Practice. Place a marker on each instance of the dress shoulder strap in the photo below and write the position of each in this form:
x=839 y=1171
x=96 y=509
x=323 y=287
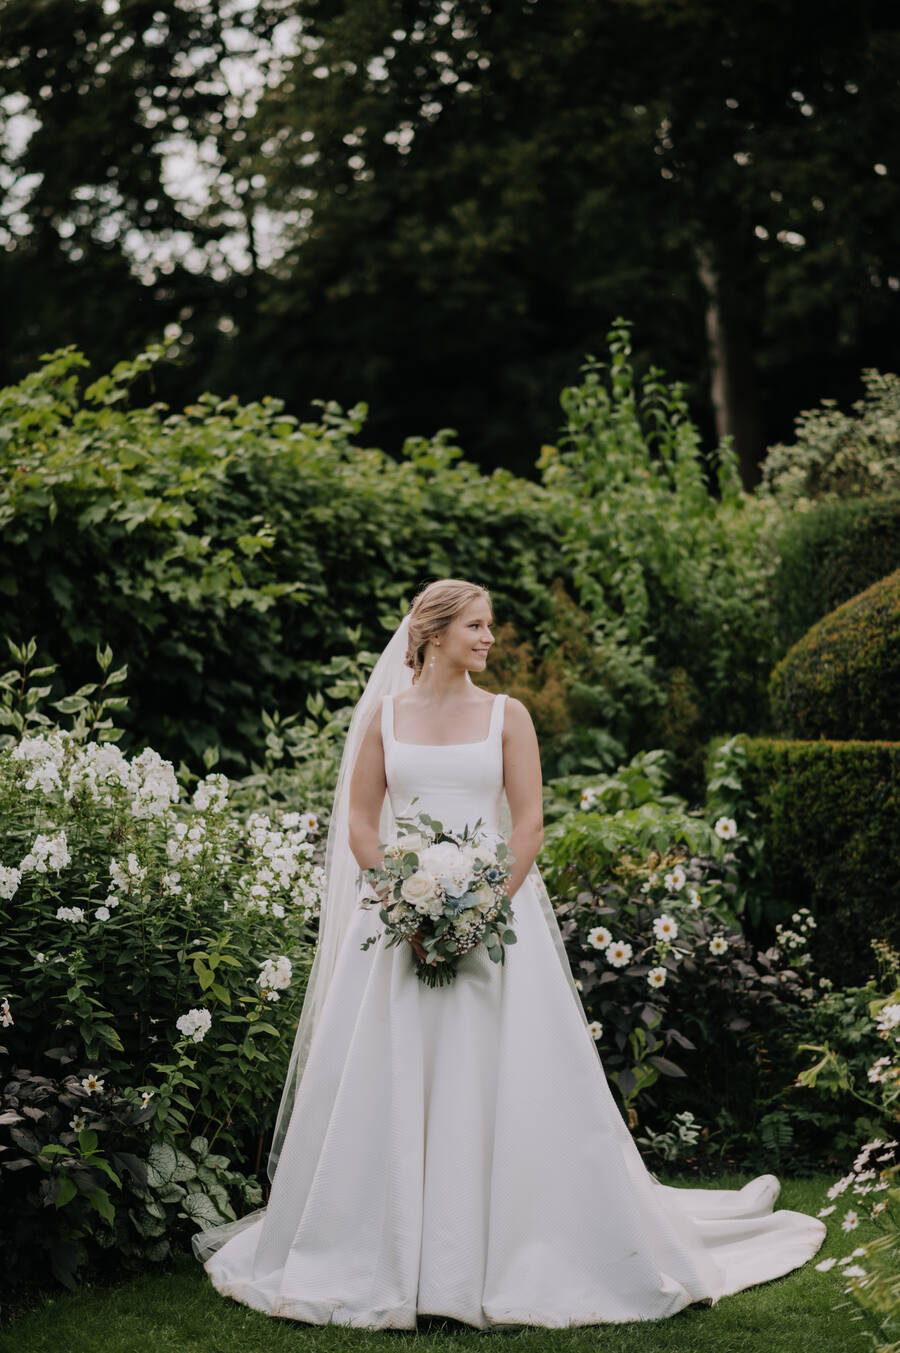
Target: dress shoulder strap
x=496 y=726
x=387 y=720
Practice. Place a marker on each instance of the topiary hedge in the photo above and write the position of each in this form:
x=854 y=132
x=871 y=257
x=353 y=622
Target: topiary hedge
x=842 y=679
x=830 y=553
x=829 y=817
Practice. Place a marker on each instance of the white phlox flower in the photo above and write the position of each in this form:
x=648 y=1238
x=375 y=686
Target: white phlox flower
x=274 y=976
x=9 y=882
x=48 y=852
x=194 y=1025
x=888 y=1018
x=153 y=784
x=211 y=793
x=69 y=914
x=102 y=913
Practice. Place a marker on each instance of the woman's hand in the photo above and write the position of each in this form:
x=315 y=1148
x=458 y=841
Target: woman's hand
x=416 y=942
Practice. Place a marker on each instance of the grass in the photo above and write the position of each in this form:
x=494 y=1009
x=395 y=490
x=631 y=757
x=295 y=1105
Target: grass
x=177 y=1310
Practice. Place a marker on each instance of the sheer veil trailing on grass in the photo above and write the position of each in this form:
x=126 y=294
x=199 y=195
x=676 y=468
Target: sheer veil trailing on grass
x=389 y=676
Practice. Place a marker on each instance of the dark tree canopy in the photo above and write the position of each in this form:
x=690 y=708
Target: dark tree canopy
x=442 y=203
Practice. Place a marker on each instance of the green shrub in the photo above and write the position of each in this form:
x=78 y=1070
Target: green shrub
x=646 y=897
x=840 y=455
x=828 y=819
x=842 y=679
x=828 y=554
x=231 y=552
x=125 y=911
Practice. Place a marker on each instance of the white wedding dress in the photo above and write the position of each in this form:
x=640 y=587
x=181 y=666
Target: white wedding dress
x=458 y=1152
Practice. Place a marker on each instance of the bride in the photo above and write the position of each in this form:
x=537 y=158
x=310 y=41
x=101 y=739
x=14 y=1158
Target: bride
x=457 y=1151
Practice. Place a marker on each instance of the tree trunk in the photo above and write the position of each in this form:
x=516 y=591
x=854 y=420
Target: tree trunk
x=733 y=388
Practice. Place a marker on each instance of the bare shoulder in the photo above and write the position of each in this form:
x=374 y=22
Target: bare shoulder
x=516 y=718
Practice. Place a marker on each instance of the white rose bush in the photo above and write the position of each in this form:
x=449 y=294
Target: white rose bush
x=145 y=928
x=445 y=888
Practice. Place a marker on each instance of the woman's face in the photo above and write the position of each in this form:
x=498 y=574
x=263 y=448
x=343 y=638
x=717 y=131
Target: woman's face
x=467 y=639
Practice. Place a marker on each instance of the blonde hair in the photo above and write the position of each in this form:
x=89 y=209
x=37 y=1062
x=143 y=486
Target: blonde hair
x=432 y=611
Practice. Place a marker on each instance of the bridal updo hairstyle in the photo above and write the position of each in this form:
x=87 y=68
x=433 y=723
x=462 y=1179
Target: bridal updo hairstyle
x=432 y=611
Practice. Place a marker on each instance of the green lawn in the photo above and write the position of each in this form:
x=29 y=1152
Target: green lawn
x=179 y=1311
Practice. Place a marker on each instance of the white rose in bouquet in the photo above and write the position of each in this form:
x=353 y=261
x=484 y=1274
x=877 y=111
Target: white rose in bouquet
x=453 y=865
x=485 y=897
x=415 y=842
x=419 y=890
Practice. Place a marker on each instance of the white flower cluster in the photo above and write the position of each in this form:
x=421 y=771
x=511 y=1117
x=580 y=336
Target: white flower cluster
x=617 y=952
x=153 y=784
x=194 y=1025
x=55 y=761
x=44 y=756
x=274 y=976
x=862 y=1178
x=5 y=1014
x=9 y=882
x=126 y=877
x=186 y=843
x=211 y=793
x=48 y=852
x=280 y=864
x=69 y=914
x=887 y=1019
x=799 y=938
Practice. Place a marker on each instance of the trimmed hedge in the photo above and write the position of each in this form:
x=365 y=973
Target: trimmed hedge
x=842 y=679
x=829 y=816
x=829 y=554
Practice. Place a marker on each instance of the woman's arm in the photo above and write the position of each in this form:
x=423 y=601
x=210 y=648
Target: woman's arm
x=522 y=778
x=368 y=785
x=367 y=790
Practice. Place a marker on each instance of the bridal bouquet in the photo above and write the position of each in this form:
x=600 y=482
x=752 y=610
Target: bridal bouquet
x=447 y=887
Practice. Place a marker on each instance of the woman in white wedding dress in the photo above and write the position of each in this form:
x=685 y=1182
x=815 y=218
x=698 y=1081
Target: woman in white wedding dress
x=457 y=1151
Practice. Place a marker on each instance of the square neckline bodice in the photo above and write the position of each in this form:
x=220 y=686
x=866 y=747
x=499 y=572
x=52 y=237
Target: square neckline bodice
x=388 y=725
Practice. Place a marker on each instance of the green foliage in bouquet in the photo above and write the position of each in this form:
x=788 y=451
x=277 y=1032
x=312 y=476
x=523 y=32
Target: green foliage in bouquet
x=842 y=679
